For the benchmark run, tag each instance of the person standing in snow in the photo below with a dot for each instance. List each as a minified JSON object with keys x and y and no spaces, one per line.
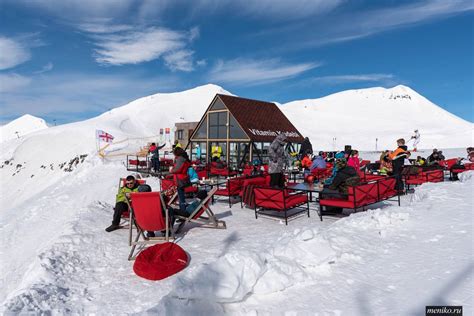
{"x":306,"y":148}
{"x":155,"y":156}
{"x":277,"y":157}
{"x":180,"y":173}
{"x":416,"y":138}
{"x":121,"y":205}
{"x":398,"y":159}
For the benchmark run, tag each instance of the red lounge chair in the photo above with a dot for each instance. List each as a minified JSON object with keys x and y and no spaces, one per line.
{"x":168,"y":183}
{"x":269,"y":200}
{"x":147,"y":210}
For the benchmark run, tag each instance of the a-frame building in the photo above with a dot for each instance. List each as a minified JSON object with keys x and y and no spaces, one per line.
{"x":243,"y":128}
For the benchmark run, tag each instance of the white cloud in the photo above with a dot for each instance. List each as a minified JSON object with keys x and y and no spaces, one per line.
{"x":48,"y":67}
{"x":249,"y":71}
{"x":284,"y":9}
{"x":180,"y":60}
{"x":366,"y":23}
{"x":12,"y":53}
{"x":13,"y":82}
{"x":80,"y":10}
{"x":73,"y":96}
{"x":101,"y":26}
{"x":139,"y":46}
{"x":354,"y":78}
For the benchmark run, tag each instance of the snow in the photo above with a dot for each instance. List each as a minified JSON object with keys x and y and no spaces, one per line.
{"x":358,"y":117}
{"x":56,"y":257}
{"x":21,"y":126}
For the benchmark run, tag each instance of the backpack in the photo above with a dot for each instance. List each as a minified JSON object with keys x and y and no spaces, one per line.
{"x":192,"y":174}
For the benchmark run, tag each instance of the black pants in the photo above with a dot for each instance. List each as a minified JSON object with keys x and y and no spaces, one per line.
{"x":119,"y":208}
{"x":397,"y":165}
{"x":277,"y":180}
{"x":155,"y":162}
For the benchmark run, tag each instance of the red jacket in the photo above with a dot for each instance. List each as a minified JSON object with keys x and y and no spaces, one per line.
{"x":180,"y":171}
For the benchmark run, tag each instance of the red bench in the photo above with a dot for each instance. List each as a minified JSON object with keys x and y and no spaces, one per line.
{"x":233,"y":188}
{"x":467,"y":167}
{"x":423,"y":177}
{"x":362,"y":195}
{"x":277,"y":202}
{"x":246,"y":194}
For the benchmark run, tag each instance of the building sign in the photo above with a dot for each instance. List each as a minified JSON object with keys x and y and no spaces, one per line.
{"x":272,"y":133}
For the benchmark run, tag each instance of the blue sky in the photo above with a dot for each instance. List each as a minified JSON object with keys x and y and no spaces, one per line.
{"x":68,"y":60}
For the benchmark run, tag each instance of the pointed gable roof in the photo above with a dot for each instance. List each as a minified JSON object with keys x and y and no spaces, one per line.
{"x":260,"y":120}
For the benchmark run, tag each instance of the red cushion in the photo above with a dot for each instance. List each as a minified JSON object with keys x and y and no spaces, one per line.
{"x":294,"y":200}
{"x":337,"y":202}
{"x":160,"y":261}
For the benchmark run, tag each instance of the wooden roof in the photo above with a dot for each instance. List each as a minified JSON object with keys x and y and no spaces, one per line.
{"x":261,"y":120}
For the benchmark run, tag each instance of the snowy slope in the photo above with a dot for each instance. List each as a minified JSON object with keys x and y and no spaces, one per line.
{"x":40,"y":154}
{"x":387,"y":261}
{"x":358,"y":117}
{"x":21,"y":127}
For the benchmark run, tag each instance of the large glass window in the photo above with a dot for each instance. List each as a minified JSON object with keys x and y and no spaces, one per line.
{"x":218,"y":105}
{"x":218,"y":125}
{"x":262,"y":151}
{"x":235,"y":132}
{"x":203,"y":149}
{"x":202,"y":131}
{"x":236,"y":153}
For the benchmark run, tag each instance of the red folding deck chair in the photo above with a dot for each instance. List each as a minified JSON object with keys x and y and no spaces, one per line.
{"x":208,"y":220}
{"x":147,"y":209}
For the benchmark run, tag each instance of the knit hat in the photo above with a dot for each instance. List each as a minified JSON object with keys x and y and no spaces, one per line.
{"x":339,"y":155}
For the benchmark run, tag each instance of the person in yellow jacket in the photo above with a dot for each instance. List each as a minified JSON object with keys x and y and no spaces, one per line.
{"x":177,"y":144}
{"x":216,"y":152}
{"x":131,"y":185}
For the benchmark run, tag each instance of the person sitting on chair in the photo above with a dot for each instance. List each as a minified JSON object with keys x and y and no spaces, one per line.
{"x":345,"y":176}
{"x":190,"y":208}
{"x":121,"y":205}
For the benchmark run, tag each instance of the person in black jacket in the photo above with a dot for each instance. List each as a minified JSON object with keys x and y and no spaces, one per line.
{"x":337,"y":188}
{"x":306,"y":148}
{"x":155,"y":158}
{"x":398,"y":160}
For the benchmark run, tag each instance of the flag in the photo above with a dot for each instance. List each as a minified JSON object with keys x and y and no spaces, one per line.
{"x":103,"y":136}
{"x":161,"y":131}
{"x":167,"y":130}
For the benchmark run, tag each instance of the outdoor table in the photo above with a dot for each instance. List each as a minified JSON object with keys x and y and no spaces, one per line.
{"x":306,"y":187}
{"x":208,"y":184}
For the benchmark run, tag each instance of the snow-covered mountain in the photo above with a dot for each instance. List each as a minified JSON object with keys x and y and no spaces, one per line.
{"x":21,"y":126}
{"x":359,"y":117}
